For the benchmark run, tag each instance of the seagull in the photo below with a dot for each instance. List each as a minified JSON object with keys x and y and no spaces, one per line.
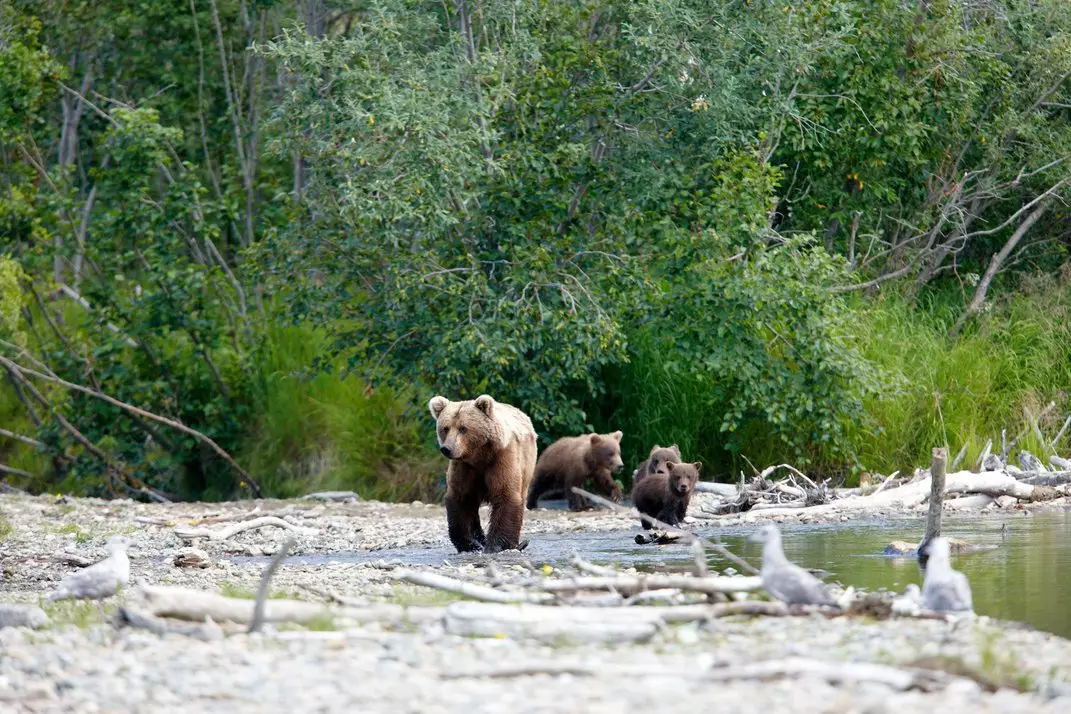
{"x":785,"y":580}
{"x":100,"y":580}
{"x":945,"y":589}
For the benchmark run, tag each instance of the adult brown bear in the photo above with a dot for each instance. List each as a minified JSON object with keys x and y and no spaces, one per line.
{"x":492,"y":452}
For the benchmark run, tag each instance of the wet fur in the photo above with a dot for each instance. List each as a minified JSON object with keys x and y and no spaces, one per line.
{"x":571,"y":461}
{"x":656,"y":462}
{"x":659,"y":496}
{"x":492,"y":452}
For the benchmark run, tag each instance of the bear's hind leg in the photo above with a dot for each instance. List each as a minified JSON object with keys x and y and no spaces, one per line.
{"x":543,"y":482}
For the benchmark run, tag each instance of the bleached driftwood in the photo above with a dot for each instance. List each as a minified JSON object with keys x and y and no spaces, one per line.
{"x":975,"y":501}
{"x":990,"y":483}
{"x":472,"y":590}
{"x":896,"y":678}
{"x":341,"y":496}
{"x":221,"y":534}
{"x":186,"y":604}
{"x":630,"y":584}
{"x":587,"y":567}
{"x":552,"y":625}
{"x":132,"y":617}
{"x":719,"y":489}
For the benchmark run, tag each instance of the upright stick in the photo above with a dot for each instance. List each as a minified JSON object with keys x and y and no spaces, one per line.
{"x":937,"y":496}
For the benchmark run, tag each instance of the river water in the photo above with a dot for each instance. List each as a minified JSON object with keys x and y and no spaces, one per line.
{"x":1024,"y":578}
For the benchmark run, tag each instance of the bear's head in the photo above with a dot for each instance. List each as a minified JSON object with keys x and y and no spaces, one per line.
{"x":683,"y":477}
{"x":660,"y":458}
{"x":467,"y":431}
{"x":606,"y":451}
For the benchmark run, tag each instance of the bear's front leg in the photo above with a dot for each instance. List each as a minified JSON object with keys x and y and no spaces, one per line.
{"x":605,"y":480}
{"x":463,"y":512}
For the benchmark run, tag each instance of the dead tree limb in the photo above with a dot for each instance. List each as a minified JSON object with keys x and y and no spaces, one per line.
{"x":686,"y":535}
{"x":140,"y":412}
{"x":265,"y":581}
{"x":221,"y":534}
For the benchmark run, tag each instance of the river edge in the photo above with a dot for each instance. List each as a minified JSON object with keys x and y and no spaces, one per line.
{"x":83,"y":664}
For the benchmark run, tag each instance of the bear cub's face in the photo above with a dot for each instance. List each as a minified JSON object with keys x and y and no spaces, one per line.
{"x":464,"y":429}
{"x":661,"y":457}
{"x":683,"y":477}
{"x":606,"y":451}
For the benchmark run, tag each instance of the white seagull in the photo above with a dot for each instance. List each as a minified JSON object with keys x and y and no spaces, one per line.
{"x":944,"y":589}
{"x":100,"y":580}
{"x":785,"y":580}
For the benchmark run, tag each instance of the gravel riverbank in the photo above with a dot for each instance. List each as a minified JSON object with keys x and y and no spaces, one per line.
{"x":79,"y":663}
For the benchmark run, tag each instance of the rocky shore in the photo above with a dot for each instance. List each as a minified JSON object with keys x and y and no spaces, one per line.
{"x":80,"y":662}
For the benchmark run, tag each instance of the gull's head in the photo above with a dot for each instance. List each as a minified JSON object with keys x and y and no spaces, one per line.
{"x":767,"y":534}
{"x":938,"y":549}
{"x":117,"y":544}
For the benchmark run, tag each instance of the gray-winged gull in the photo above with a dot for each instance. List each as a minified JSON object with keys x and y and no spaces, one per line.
{"x":944,"y":589}
{"x":100,"y":580}
{"x":785,"y":580}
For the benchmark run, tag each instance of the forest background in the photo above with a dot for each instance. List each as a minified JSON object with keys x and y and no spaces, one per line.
{"x":832,"y":232}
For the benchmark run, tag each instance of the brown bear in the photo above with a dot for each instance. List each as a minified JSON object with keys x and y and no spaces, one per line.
{"x":492,"y":452}
{"x":656,"y":462}
{"x":666,"y":497}
{"x":571,"y":460}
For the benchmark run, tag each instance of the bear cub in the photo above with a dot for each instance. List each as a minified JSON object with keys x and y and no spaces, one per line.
{"x":666,"y":497}
{"x":656,"y":462}
{"x":571,"y":461}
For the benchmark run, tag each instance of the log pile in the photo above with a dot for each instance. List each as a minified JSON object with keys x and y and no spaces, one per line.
{"x":997,"y":482}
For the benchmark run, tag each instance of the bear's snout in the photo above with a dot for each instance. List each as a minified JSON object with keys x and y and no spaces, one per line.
{"x":446,"y":452}
{"x":682,"y":488}
{"x":618,"y":466}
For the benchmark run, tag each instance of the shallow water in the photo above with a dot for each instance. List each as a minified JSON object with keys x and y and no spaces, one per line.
{"x":1023,"y":579}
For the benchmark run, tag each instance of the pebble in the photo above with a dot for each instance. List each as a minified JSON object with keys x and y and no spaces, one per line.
{"x":64,"y":668}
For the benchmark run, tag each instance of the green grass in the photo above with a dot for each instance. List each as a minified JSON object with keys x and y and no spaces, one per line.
{"x":1002,"y":373}
{"x":5,"y":528}
{"x":322,"y":431}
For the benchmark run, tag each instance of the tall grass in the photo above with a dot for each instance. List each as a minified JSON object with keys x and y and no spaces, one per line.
{"x":1003,"y":374}
{"x":316,"y":430}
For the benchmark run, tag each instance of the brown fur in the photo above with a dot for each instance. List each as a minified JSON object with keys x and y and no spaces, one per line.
{"x":656,"y":462}
{"x":492,"y":452}
{"x":571,"y":461}
{"x":666,"y":497}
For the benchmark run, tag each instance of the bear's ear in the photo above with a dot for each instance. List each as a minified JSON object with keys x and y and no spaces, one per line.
{"x":595,"y":439}
{"x":485,"y":404}
{"x":437,"y":404}
{"x":676,"y":450}
{"x":671,"y":464}
{"x":617,"y":436}
{"x":654,"y":448}
{"x":698,"y":465}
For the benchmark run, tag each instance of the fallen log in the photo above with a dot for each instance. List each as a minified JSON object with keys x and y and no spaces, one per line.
{"x":630,"y":584}
{"x":990,"y":483}
{"x":472,"y":590}
{"x":221,"y":534}
{"x":186,"y":604}
{"x":553,"y":625}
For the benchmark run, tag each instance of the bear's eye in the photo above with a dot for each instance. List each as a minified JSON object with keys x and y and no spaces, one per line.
{"x":654,"y":464}
{"x":463,"y":430}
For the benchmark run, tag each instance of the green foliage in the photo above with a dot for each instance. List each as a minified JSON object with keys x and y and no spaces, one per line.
{"x":1001,"y":376}
{"x":11,"y":299}
{"x":288,"y":229}
{"x":319,"y":430}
